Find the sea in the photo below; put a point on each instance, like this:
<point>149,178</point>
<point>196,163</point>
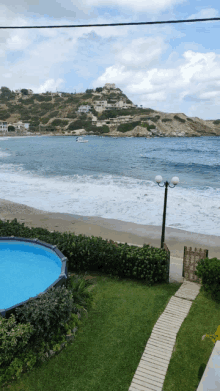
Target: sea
<point>114,178</point>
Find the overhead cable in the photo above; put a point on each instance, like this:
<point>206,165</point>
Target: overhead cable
<point>109,25</point>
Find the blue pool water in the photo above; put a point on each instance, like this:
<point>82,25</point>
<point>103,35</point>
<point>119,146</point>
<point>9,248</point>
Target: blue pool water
<point>26,269</point>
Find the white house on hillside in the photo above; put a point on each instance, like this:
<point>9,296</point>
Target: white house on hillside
<point>3,126</point>
<point>109,85</point>
<point>84,109</point>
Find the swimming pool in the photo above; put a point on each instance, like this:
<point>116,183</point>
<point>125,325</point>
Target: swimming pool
<point>28,267</point>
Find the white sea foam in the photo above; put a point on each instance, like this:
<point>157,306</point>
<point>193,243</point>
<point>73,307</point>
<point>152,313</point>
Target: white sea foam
<point>104,194</point>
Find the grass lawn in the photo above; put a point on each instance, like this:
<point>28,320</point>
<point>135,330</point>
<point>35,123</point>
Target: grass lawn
<point>110,342</point>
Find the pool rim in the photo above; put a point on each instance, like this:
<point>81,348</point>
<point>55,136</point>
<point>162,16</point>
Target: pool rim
<point>58,282</point>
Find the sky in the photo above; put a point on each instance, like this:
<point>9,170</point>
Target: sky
<point>173,68</point>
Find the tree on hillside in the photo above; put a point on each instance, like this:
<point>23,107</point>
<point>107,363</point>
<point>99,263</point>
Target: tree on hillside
<point>6,93</point>
<point>24,91</point>
<point>11,128</point>
<point>99,89</point>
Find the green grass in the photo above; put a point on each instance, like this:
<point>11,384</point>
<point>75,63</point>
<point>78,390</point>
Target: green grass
<point>110,342</point>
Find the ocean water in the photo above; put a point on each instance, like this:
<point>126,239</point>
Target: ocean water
<point>115,178</point>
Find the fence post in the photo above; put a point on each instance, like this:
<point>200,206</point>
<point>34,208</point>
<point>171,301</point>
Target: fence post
<point>168,261</point>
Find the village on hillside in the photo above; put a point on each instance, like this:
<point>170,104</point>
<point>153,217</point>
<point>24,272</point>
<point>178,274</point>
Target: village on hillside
<point>104,110</point>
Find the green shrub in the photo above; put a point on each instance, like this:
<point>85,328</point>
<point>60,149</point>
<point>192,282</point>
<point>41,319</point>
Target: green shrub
<point>59,122</point>
<point>78,124</point>
<point>45,120</point>
<point>102,129</point>
<point>87,96</point>
<point>128,126</point>
<point>166,119</point>
<point>4,115</point>
<point>189,119</point>
<point>11,128</point>
<point>179,119</point>
<point>209,271</point>
<point>47,311</point>
<point>72,114</point>
<point>83,116</point>
<point>13,337</point>
<point>216,122</point>
<point>42,98</point>
<point>155,119</point>
<point>46,106</point>
<point>53,114</point>
<point>149,127</point>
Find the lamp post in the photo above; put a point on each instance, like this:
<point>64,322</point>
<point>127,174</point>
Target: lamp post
<point>174,181</point>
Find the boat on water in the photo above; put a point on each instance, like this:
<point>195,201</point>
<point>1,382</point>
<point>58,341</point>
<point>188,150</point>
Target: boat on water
<point>81,140</point>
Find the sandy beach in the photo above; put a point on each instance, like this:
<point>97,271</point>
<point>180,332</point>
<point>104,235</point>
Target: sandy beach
<point>116,230</point>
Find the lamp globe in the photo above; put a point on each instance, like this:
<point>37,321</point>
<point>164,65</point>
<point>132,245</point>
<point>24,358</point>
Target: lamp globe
<point>175,180</point>
<point>158,178</point>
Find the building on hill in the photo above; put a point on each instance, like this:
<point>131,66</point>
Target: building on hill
<point>84,109</point>
<point>104,105</point>
<point>20,125</point>
<point>109,85</point>
<point>3,126</point>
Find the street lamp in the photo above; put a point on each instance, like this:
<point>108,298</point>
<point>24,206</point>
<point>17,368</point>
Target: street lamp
<point>174,181</point>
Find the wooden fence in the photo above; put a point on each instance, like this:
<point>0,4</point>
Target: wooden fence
<point>190,261</point>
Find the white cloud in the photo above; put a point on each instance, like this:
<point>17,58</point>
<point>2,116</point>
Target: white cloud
<point>190,78</point>
<point>141,52</point>
<point>205,13</point>
<point>50,85</point>
<point>138,5</point>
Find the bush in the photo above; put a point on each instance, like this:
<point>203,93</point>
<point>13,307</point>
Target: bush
<point>46,106</point>
<point>59,122</point>
<point>129,126</point>
<point>166,119</point>
<point>179,119</point>
<point>53,114</point>
<point>83,116</point>
<point>45,120</point>
<point>149,127</point>
<point>209,271</point>
<point>42,98</point>
<point>87,96</point>
<point>78,124</point>
<point>156,118</point>
<point>71,114</point>
<point>216,122</point>
<point>102,129</point>
<point>4,115</point>
<point>189,119</point>
<point>11,128</point>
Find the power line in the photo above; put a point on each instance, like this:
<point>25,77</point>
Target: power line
<point>112,24</point>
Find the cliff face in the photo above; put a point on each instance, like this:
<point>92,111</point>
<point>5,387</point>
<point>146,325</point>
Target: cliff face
<point>189,127</point>
<point>111,114</point>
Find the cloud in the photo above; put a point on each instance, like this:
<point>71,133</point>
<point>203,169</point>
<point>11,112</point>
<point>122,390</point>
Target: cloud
<point>50,85</point>
<point>85,8</point>
<point>141,52</point>
<point>190,80</point>
<point>205,13</point>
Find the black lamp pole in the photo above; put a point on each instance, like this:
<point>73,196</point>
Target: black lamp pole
<point>166,184</point>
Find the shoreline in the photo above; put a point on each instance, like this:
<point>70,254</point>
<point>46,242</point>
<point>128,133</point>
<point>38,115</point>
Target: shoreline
<point>117,230</point>
<point>102,135</point>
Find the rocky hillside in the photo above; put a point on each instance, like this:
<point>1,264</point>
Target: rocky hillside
<point>46,113</point>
